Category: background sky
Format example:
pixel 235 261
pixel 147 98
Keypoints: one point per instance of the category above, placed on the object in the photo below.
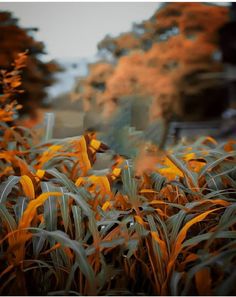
pixel 73 29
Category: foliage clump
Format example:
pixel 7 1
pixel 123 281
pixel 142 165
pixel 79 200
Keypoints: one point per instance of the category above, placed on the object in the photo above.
pixel 174 58
pixel 38 74
pixel 160 224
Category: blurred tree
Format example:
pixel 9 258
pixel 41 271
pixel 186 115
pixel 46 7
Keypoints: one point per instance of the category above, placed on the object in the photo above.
pixel 37 75
pixel 228 48
pixel 180 68
pixel 90 91
pixel 172 62
pixel 10 87
pixel 120 45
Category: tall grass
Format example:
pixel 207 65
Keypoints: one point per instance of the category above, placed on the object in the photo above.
pixel 65 231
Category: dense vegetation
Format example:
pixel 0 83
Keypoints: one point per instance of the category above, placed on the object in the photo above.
pixel 171 60
pixel 38 74
pixel 162 223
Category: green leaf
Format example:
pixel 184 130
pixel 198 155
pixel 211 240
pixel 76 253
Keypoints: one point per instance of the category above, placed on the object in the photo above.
pixel 175 222
pixel 174 283
pixel 158 180
pixel 190 176
pixel 199 238
pixel 20 207
pixel 227 286
pixel 63 180
pixel 206 262
pixel 38 244
pixel 50 207
pixel 156 246
pixel 81 202
pixel 64 206
pixel 82 261
pixel 213 164
pixel 130 185
pixel 7 186
pixel 7 218
pixel 77 216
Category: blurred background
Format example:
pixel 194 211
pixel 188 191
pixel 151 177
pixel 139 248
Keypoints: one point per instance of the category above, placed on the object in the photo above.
pixel 154 71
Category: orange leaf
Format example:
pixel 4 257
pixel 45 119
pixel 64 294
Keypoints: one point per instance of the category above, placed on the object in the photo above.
pixel 182 234
pixel 189 156
pixel 229 146
pixel 103 182
pixel 210 139
pixel 79 181
pixel 85 162
pixel 139 220
pixel 95 144
pixel 157 202
pixel 53 248
pixel 115 173
pixel 171 170
pixel 27 186
pixel 161 243
pixel 15 83
pixel 106 205
pixel 40 173
pixel 55 148
pixel 148 191
pixel 195 165
pixel 25 221
pixel 30 211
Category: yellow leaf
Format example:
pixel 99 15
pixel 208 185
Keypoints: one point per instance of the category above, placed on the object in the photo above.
pixel 95 144
pixel 116 172
pixel 148 191
pixel 85 162
pixel 79 181
pixel 30 211
pixel 215 201
pixel 55 148
pixel 171 170
pixel 210 139
pixel 27 186
pixel 139 220
pixel 103 182
pixel 40 173
pixel 189 156
pixel 106 205
pixel 25 221
pixel 155 236
pixel 48 155
pixel 157 202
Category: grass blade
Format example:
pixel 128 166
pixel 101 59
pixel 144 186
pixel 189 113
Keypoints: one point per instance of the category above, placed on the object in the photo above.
pixel 7 186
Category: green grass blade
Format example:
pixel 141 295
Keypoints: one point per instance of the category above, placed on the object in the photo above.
pixel 7 186
pixel 50 207
pixel 77 216
pixel 64 207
